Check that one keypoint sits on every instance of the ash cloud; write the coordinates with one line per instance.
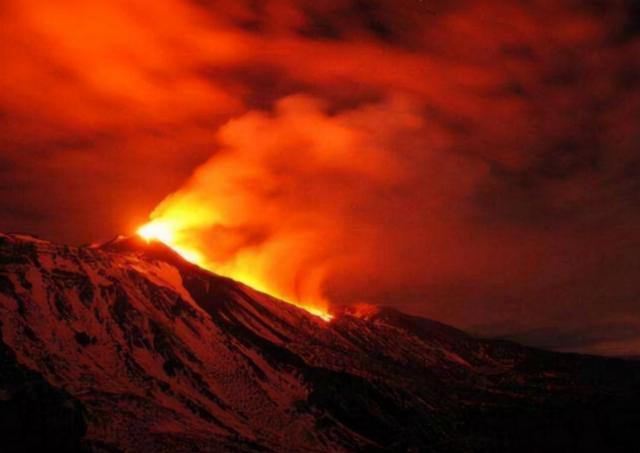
(475, 162)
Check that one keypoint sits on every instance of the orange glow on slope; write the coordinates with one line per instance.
(164, 232)
(169, 233)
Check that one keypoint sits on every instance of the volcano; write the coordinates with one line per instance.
(127, 347)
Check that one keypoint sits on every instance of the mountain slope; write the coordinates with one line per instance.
(150, 353)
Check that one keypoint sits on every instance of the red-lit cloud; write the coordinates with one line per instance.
(473, 161)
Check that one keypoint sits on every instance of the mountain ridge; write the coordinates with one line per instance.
(160, 355)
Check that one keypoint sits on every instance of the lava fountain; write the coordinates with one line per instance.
(170, 234)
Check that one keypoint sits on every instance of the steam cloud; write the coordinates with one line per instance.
(299, 199)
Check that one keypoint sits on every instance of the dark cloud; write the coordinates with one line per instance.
(487, 172)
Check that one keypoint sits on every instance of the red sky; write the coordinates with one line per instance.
(476, 162)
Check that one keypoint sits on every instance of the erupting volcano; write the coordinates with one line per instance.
(126, 346)
(304, 198)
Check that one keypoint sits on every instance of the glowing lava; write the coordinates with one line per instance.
(170, 234)
(165, 233)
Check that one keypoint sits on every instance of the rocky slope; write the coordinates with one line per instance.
(126, 347)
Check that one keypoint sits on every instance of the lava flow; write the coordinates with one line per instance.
(170, 234)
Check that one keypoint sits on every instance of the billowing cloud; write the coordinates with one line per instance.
(472, 161)
(296, 197)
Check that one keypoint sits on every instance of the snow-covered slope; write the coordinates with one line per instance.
(159, 355)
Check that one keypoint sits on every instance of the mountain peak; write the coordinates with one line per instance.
(161, 355)
(151, 249)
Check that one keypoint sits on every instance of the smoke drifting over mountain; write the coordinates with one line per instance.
(298, 200)
(473, 161)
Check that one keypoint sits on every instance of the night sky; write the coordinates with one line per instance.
(474, 162)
